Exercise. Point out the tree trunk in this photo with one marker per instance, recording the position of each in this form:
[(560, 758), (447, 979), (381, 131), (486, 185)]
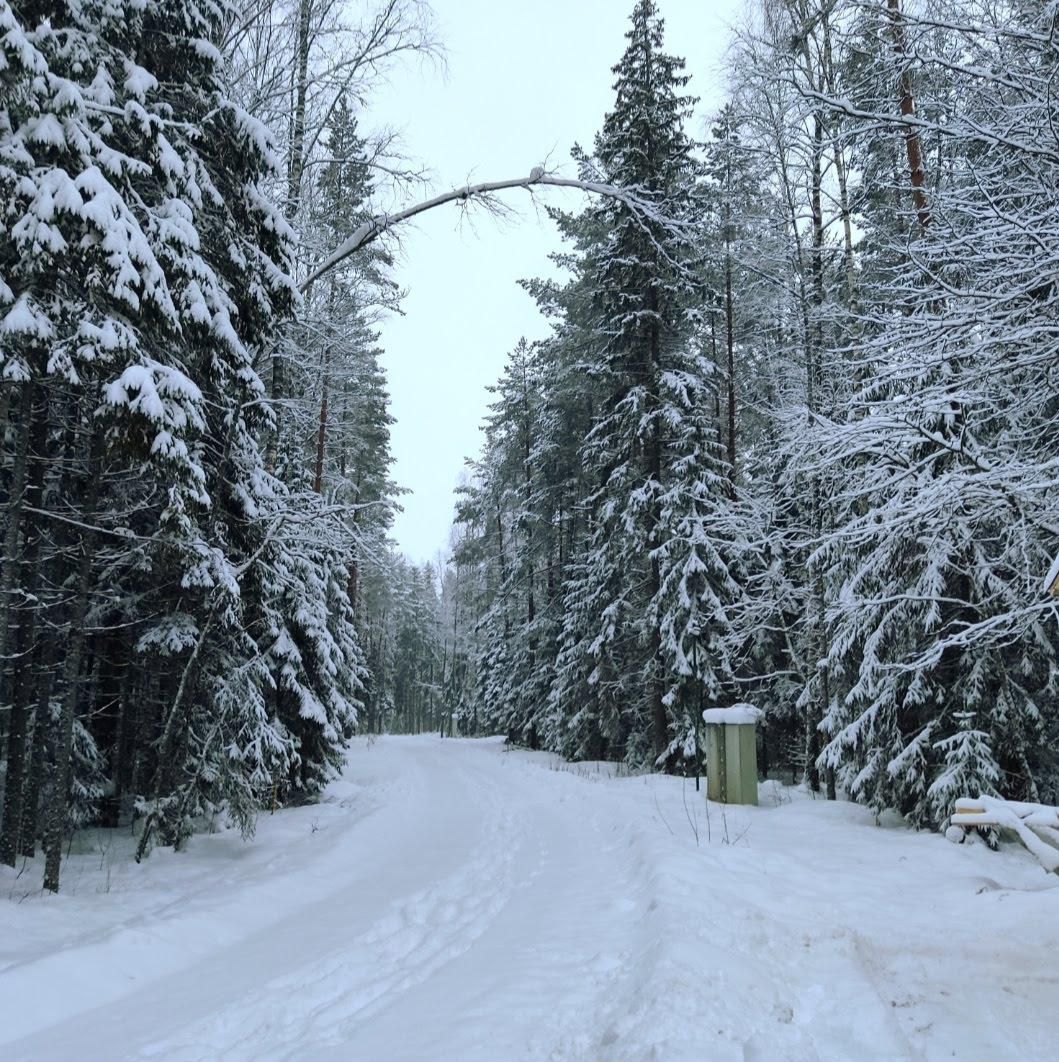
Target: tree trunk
[(841, 169), (321, 438), (729, 317), (55, 818), (170, 733), (42, 724), (913, 146), (816, 707), (122, 744), (16, 740), (296, 160), (527, 474), (659, 718), (22, 622), (295, 169), (16, 500)]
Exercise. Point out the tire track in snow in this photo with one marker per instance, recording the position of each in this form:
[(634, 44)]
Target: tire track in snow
[(322, 1003), (437, 825)]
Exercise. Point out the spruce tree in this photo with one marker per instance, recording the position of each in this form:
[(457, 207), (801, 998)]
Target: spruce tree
[(144, 270), (642, 286)]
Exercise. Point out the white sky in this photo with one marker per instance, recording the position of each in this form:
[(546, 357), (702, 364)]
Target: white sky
[(525, 80)]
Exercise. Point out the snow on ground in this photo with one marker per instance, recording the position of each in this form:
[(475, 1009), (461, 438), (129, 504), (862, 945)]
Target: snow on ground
[(453, 900)]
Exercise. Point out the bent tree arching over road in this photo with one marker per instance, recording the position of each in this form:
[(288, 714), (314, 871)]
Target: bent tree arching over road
[(636, 199)]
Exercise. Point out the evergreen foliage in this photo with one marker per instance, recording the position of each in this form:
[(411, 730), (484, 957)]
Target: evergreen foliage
[(796, 446), (790, 438)]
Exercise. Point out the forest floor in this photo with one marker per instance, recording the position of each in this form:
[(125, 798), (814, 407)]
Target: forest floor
[(454, 901)]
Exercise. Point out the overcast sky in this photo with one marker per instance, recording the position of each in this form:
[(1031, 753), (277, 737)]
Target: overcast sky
[(524, 81)]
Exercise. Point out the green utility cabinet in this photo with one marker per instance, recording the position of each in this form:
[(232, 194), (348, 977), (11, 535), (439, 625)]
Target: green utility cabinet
[(731, 753)]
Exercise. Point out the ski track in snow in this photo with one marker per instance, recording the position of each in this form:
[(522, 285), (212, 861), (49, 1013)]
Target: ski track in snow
[(456, 901)]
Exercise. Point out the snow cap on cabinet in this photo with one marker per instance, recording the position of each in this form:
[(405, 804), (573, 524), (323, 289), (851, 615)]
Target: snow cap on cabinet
[(738, 713)]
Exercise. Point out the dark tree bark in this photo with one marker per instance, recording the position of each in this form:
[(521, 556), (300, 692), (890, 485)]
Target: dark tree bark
[(12, 531), (55, 817), (42, 725), (22, 619)]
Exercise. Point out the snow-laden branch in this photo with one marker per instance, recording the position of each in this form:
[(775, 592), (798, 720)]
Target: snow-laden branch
[(374, 227), (966, 128)]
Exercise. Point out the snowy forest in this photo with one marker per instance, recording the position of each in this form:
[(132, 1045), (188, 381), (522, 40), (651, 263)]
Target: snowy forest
[(790, 440), (793, 448)]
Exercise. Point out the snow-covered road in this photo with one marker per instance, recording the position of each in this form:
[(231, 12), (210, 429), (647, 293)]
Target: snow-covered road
[(451, 900)]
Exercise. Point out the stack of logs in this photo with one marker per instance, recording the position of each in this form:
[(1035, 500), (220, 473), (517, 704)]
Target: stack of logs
[(1036, 825)]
